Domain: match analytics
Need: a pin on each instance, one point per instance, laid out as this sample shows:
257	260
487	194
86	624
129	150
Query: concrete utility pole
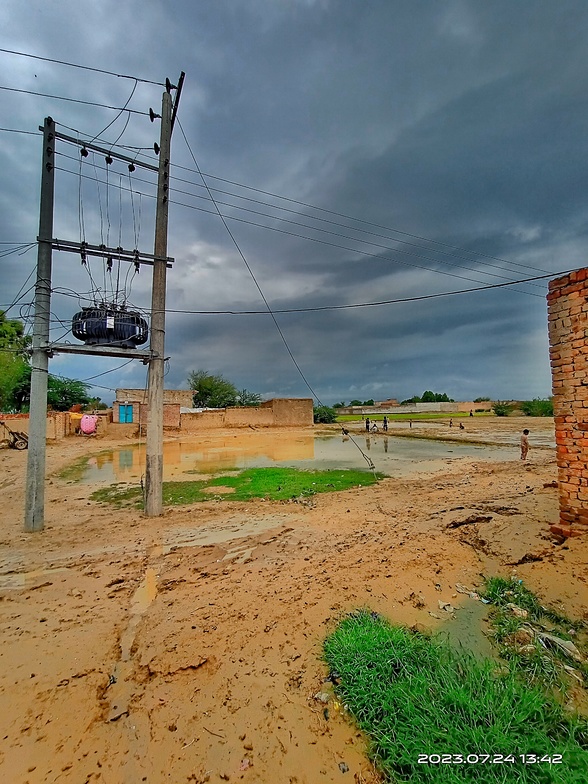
154	441
35	484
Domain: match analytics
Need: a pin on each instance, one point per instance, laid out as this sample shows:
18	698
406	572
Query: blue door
125	413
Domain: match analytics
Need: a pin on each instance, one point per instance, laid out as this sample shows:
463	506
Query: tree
501	409
214	391
324	415
14	365
247	398
12	335
63	393
339	405
369	402
15	375
413	399
482	400
356	403
538	407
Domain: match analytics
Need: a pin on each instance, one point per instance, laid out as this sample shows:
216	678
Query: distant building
130	408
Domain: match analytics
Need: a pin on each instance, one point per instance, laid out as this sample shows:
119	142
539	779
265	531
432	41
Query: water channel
212	454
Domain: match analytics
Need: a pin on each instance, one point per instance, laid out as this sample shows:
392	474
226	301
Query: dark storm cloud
461	122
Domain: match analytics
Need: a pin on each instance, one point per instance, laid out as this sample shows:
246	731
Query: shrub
324	415
538	407
501	409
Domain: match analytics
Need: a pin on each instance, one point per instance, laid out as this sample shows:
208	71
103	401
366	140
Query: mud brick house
130	408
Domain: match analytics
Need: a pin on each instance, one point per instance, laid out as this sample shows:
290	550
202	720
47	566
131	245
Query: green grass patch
414	695
276	484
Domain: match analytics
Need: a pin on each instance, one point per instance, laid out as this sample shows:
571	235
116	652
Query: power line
72	100
341	225
251	273
77	65
461	249
74	295
377	256
350	217
112	370
335	233
16	130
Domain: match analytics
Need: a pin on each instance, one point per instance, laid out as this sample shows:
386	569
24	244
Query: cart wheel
20	443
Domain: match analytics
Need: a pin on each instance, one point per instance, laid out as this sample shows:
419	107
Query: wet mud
188	647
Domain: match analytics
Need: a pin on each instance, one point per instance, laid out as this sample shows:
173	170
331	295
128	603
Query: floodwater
212	454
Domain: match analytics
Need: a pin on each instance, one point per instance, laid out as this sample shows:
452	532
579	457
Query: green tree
247	398
14	366
212	391
14	381
501	409
63	393
356	403
324	415
369	402
339	405
482	399
12	335
538	407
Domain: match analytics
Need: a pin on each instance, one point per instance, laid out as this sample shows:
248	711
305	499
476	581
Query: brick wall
567	303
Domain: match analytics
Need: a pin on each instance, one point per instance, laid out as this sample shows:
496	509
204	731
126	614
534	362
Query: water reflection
213	453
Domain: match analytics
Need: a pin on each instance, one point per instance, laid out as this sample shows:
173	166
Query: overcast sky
376	150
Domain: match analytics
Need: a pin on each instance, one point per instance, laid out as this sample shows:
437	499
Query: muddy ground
187	648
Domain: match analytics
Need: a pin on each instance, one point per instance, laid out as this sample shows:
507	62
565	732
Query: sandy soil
187	648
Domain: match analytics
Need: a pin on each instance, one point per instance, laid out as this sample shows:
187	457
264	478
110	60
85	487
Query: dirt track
187	648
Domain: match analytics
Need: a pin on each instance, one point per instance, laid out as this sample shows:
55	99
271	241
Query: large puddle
216	453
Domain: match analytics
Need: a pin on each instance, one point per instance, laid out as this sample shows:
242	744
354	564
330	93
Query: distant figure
451	423
524	444
471	412
461	427
367	424
374	426
410	422
385	423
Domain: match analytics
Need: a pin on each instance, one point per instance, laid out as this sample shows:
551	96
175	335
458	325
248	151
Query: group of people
374	425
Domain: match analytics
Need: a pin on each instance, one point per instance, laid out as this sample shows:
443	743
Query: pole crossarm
110	153
103	252
100	350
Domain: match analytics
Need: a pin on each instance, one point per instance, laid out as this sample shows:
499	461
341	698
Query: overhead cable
251	273
77	65
73	100
378	256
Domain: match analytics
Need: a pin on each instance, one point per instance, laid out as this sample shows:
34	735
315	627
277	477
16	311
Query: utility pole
35	484
154	440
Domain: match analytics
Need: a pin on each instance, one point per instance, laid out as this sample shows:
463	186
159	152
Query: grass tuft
415	695
519	639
